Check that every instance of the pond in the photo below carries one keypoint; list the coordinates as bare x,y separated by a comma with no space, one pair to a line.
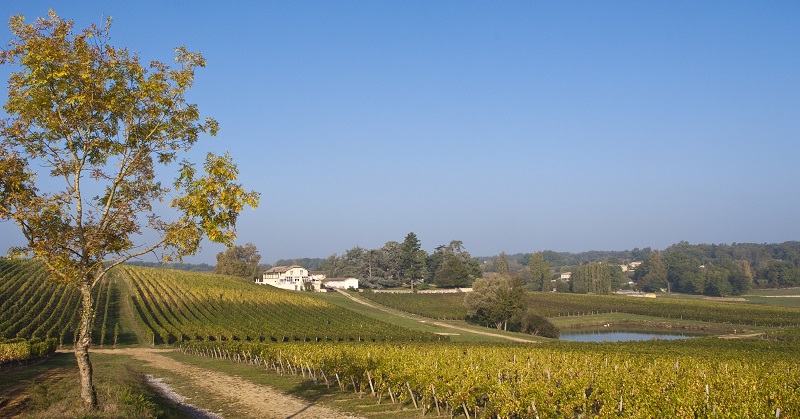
606,335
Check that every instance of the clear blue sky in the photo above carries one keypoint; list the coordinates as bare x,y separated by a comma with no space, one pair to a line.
512,126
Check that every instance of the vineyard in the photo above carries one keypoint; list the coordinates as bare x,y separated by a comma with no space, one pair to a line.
35,308
22,350
174,306
451,306
435,306
288,332
645,379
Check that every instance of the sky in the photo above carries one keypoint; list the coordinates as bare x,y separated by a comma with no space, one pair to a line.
513,126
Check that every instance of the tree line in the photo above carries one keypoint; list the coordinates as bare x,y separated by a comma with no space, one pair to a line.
397,263
708,269
721,270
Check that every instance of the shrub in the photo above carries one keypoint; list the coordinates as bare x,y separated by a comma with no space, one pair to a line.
533,323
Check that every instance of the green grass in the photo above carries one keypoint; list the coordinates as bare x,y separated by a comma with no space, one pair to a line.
48,390
415,322
435,306
646,323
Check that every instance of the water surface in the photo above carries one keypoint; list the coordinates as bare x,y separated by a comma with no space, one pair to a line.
619,336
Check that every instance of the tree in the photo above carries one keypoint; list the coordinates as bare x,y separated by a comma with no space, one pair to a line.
241,261
653,273
531,322
502,264
413,259
452,273
392,261
495,300
539,272
592,278
456,268
87,127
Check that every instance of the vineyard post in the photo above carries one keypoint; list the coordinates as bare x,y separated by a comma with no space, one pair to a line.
411,393
325,377
435,401
371,387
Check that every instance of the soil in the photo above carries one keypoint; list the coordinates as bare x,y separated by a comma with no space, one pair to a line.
250,399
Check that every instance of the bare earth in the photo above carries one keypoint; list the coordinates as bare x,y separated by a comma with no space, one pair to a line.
250,399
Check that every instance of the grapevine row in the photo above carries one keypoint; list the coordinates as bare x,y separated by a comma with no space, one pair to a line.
546,381
174,306
33,306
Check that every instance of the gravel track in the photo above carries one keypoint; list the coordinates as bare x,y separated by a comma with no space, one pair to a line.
250,399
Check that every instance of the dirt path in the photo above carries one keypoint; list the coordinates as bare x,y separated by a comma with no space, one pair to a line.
251,399
440,324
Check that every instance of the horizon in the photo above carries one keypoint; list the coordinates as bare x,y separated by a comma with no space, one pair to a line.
515,127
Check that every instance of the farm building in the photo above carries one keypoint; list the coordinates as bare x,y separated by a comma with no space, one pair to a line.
297,278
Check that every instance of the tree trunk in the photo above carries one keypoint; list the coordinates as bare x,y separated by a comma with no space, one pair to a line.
82,344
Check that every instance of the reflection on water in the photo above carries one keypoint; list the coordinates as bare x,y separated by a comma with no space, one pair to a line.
618,336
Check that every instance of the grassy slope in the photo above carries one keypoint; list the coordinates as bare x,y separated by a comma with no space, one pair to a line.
415,322
47,390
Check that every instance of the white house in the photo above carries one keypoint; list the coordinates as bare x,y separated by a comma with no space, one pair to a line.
286,277
297,278
341,283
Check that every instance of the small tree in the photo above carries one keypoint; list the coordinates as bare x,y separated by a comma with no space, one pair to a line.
87,127
495,300
241,261
531,322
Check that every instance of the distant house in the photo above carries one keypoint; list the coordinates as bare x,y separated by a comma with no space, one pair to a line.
286,277
566,276
341,283
297,278
634,265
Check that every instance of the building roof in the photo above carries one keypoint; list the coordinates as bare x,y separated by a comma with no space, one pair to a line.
281,269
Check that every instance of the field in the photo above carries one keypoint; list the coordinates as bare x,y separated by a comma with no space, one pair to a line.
555,305
404,363
435,306
635,380
174,306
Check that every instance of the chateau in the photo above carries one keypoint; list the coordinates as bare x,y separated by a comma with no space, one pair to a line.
298,278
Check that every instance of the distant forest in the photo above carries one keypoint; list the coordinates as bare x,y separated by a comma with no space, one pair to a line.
710,269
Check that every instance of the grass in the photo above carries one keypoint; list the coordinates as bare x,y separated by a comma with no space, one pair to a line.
644,323
420,323
48,390
121,312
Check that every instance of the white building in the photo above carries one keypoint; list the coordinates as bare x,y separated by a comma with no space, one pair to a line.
286,277
341,283
297,278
